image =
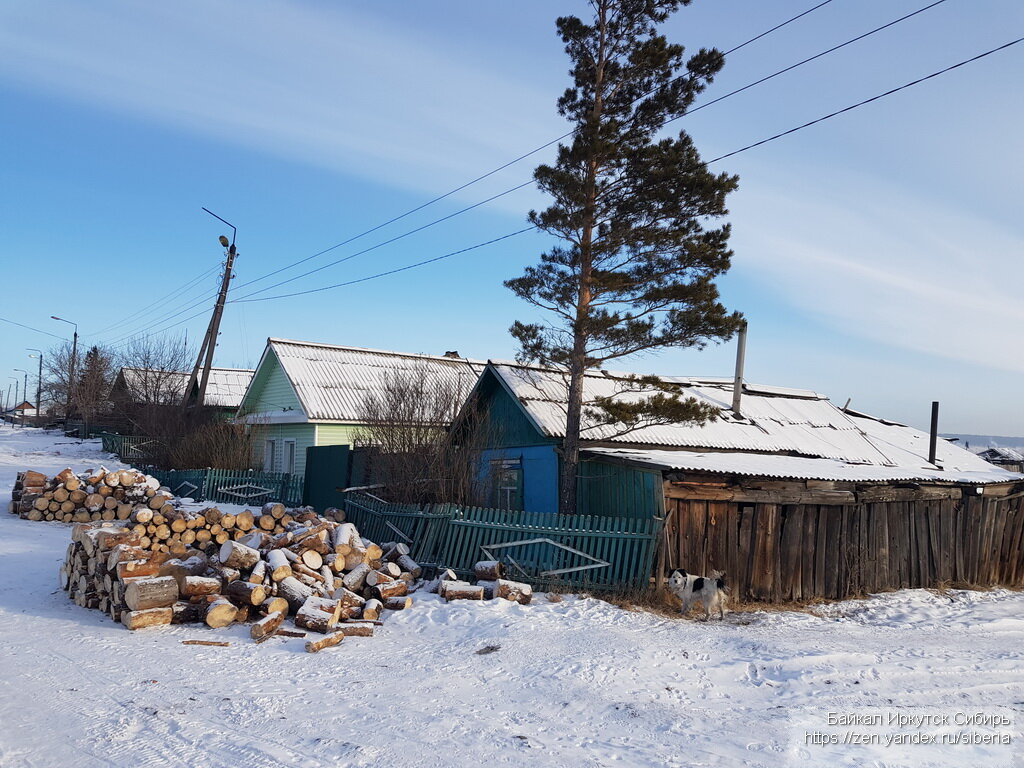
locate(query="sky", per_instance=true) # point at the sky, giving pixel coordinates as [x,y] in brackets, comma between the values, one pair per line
[878,255]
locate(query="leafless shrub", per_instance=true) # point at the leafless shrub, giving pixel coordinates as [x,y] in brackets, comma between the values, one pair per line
[196,439]
[406,427]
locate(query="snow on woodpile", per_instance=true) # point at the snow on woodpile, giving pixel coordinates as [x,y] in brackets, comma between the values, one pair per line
[322,573]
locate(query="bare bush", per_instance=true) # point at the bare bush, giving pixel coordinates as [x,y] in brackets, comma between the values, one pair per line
[406,428]
[196,439]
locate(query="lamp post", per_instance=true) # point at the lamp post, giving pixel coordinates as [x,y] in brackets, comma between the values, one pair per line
[24,392]
[39,384]
[71,372]
[7,400]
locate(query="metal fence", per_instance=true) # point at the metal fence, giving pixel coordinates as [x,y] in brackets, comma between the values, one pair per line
[546,550]
[231,486]
[130,448]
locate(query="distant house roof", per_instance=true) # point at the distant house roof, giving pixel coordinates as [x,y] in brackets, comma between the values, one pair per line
[781,432]
[999,454]
[225,388]
[332,381]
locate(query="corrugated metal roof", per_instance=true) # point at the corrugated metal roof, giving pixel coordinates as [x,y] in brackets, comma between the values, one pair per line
[333,381]
[801,468]
[775,420]
[224,389]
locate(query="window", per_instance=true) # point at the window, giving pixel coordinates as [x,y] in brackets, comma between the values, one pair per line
[507,479]
[289,457]
[269,456]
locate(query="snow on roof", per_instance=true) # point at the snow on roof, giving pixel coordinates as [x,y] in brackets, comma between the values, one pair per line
[781,432]
[332,381]
[1000,453]
[224,389]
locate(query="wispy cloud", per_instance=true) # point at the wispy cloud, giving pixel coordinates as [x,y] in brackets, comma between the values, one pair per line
[316,84]
[900,271]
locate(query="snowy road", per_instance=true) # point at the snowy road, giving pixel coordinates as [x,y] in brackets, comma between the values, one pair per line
[575,683]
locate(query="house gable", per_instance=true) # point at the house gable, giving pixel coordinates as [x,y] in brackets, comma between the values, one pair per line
[271,397]
[507,424]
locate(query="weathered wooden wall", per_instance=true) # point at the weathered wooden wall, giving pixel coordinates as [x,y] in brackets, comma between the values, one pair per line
[780,552]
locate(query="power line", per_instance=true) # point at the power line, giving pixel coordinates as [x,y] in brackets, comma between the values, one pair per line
[529,182]
[177,292]
[153,322]
[748,147]
[30,328]
[502,167]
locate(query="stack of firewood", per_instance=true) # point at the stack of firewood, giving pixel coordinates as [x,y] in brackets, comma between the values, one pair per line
[93,495]
[490,584]
[324,574]
[137,499]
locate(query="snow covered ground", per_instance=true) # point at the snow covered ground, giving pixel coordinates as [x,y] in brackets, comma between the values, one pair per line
[572,683]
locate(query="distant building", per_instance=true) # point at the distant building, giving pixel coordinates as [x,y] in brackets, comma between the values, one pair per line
[306,394]
[143,386]
[1007,458]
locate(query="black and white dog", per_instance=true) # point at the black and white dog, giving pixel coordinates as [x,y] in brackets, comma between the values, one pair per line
[710,591]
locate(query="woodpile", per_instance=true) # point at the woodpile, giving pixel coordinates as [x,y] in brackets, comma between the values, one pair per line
[152,511]
[323,574]
[89,496]
[490,584]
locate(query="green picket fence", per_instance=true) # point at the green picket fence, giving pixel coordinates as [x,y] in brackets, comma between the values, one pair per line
[128,448]
[231,486]
[546,550]
[422,529]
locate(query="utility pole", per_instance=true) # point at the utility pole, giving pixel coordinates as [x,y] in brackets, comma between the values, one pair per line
[15,403]
[71,372]
[213,330]
[24,393]
[39,384]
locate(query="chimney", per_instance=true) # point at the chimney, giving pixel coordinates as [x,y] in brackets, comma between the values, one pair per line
[933,436]
[737,384]
[453,353]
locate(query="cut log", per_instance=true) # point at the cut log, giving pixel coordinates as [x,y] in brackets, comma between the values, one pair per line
[190,586]
[273,605]
[408,565]
[489,570]
[220,613]
[456,591]
[347,598]
[280,567]
[294,591]
[355,579]
[395,551]
[34,479]
[151,617]
[312,559]
[395,588]
[267,626]
[513,590]
[130,568]
[156,592]
[244,521]
[372,609]
[355,629]
[318,614]
[259,573]
[312,646]
[398,603]
[373,578]
[236,555]
[245,593]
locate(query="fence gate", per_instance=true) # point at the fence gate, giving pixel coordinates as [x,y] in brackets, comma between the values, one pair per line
[327,470]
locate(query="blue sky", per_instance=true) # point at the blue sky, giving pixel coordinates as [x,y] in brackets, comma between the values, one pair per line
[878,255]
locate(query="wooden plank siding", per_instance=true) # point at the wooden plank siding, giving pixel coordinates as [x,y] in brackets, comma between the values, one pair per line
[783,552]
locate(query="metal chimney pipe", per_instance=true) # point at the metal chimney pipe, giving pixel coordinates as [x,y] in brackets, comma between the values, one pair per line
[933,436]
[741,354]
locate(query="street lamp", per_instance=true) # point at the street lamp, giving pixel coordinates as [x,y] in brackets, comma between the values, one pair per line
[39,384]
[24,392]
[74,358]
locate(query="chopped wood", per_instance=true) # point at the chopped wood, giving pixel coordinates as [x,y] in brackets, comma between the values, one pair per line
[312,646]
[489,570]
[206,642]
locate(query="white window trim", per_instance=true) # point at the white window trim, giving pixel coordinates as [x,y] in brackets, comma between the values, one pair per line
[290,441]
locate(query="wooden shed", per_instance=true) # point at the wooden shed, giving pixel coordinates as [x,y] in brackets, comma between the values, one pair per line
[792,496]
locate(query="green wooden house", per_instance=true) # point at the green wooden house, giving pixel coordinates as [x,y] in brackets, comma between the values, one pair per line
[306,394]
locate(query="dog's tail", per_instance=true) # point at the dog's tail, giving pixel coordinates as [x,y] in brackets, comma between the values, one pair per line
[720,583]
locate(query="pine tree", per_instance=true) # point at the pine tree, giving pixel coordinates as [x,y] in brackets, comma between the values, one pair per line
[638,257]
